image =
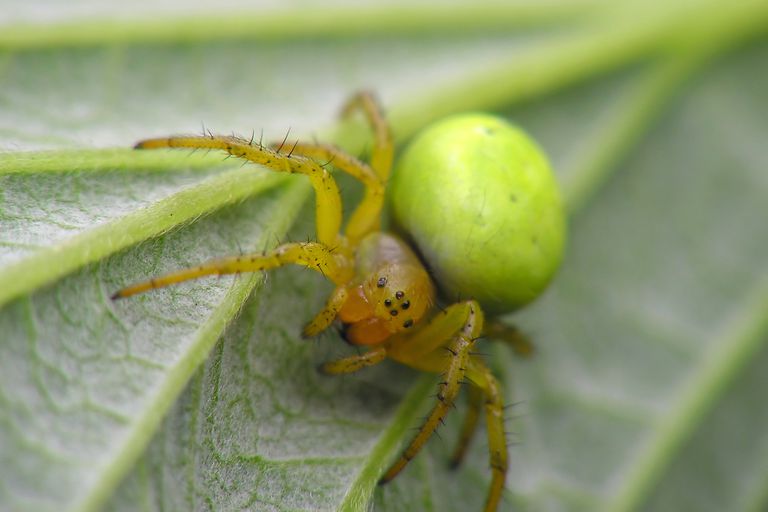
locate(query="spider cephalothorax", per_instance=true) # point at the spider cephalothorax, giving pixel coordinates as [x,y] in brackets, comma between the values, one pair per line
[383,293]
[393,293]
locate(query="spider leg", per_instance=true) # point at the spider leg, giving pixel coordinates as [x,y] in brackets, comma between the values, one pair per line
[313,255]
[367,215]
[383,147]
[475,405]
[328,314]
[511,335]
[328,205]
[420,349]
[354,363]
[459,357]
[497,441]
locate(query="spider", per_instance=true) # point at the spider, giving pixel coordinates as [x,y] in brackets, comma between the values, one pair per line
[385,294]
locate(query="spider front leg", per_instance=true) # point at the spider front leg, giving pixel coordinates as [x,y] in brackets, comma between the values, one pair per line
[454,370]
[312,255]
[367,216]
[328,200]
[383,145]
[462,323]
[329,256]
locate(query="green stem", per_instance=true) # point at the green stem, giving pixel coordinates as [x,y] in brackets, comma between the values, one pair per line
[644,102]
[292,23]
[614,41]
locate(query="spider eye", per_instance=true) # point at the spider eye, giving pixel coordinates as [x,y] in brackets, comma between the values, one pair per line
[475,193]
[382,282]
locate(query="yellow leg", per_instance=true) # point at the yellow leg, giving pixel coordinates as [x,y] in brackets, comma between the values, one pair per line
[511,335]
[328,206]
[497,442]
[383,147]
[367,216]
[420,349]
[311,255]
[328,314]
[459,354]
[354,363]
[475,396]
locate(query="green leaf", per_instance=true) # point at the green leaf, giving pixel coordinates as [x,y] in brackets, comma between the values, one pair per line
[645,392]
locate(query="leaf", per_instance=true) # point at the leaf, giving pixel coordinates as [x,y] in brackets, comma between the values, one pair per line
[644,340]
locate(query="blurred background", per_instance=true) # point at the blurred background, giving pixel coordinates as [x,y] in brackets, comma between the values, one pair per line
[646,390]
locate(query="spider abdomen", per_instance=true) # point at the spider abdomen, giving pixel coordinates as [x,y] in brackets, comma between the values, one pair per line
[477,198]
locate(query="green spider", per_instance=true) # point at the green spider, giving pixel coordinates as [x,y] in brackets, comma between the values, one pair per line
[476,209]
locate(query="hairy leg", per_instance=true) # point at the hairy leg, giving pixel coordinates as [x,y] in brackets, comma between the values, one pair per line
[475,405]
[312,255]
[383,146]
[458,356]
[328,314]
[497,442]
[420,349]
[328,205]
[367,216]
[352,364]
[511,335]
